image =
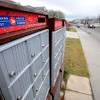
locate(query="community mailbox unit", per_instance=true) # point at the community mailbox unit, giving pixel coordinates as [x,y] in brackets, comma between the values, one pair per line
[24,54]
[31,54]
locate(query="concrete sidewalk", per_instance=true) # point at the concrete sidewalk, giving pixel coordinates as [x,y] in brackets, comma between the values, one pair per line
[91,49]
[72,35]
[78,88]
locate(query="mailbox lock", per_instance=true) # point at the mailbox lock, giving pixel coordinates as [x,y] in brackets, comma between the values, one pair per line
[35,74]
[33,55]
[43,60]
[43,45]
[19,98]
[12,74]
[25,40]
[36,90]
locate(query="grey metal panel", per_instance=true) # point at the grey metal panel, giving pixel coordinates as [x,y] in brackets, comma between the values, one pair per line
[43,92]
[45,87]
[3,85]
[45,70]
[21,85]
[36,67]
[30,96]
[3,69]
[9,63]
[57,52]
[37,84]
[15,59]
[20,56]
[32,85]
[44,39]
[25,81]
[23,58]
[45,54]
[16,88]
[34,46]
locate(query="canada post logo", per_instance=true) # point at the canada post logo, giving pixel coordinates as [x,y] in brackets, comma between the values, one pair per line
[12,21]
[6,21]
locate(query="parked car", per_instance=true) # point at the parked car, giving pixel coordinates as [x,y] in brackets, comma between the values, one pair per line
[91,26]
[78,25]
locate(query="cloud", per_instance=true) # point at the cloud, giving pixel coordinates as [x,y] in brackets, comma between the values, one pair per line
[69,7]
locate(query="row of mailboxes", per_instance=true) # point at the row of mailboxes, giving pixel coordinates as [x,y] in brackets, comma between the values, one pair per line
[31,53]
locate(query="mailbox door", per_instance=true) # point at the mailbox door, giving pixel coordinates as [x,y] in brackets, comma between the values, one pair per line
[14,59]
[21,85]
[34,46]
[44,39]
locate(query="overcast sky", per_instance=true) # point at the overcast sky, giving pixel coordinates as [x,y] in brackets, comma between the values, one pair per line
[72,8]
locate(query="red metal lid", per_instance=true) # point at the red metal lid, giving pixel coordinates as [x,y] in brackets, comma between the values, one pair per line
[55,23]
[12,21]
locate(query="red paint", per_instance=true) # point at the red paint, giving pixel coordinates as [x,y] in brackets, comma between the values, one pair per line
[58,23]
[31,20]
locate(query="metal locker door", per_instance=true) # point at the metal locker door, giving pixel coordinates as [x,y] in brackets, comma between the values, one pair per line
[42,94]
[3,69]
[25,81]
[9,61]
[34,46]
[44,38]
[45,70]
[20,55]
[21,85]
[45,54]
[37,84]
[36,67]
[17,90]
[45,87]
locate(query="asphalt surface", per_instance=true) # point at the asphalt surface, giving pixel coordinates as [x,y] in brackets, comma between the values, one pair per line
[91,46]
[95,32]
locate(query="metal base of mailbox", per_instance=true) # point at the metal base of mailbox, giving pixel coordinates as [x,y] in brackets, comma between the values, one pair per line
[53,89]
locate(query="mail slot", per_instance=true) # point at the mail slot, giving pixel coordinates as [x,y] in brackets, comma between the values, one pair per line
[15,23]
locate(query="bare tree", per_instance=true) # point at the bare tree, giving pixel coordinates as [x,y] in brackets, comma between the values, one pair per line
[56,14]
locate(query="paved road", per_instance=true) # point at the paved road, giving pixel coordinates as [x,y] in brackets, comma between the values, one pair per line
[91,47]
[94,32]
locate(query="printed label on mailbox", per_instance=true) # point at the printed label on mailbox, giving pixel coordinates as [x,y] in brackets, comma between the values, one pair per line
[4,21]
[20,20]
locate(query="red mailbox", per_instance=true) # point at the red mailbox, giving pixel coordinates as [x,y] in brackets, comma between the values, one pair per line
[17,23]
